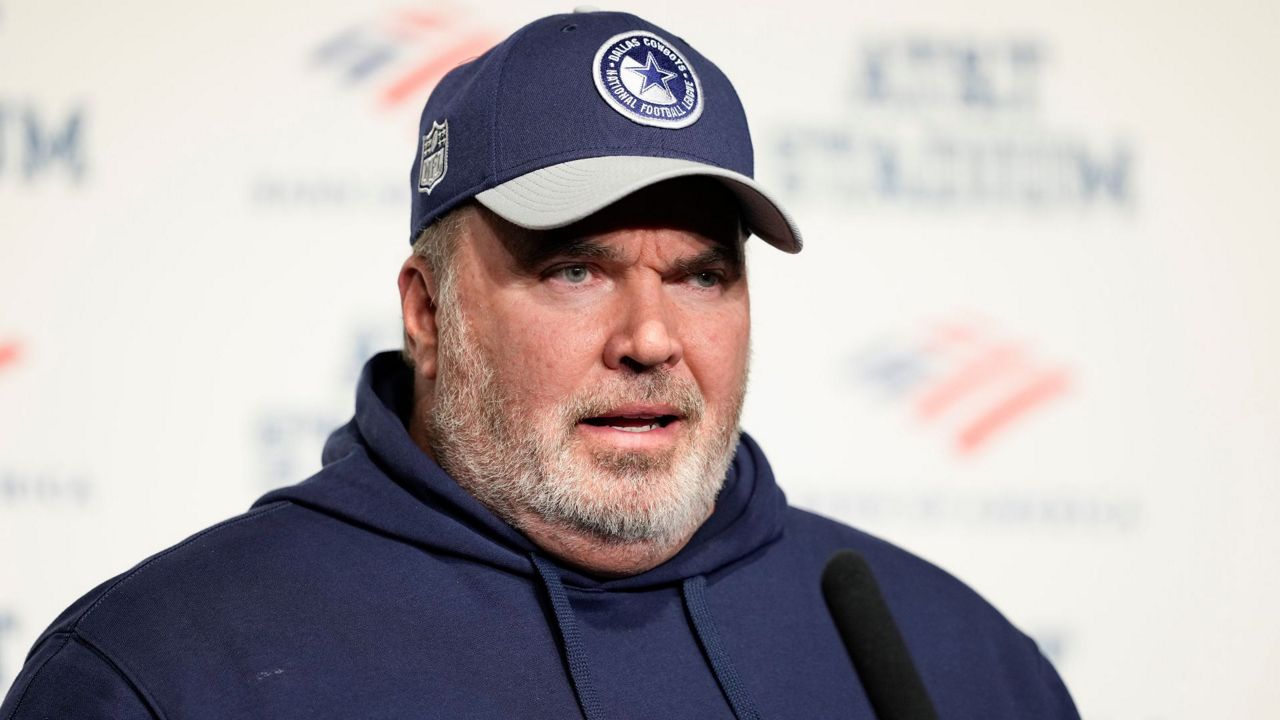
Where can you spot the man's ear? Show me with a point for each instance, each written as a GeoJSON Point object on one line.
{"type": "Point", "coordinates": [418, 290]}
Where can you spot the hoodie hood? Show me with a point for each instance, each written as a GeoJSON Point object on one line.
{"type": "Point", "coordinates": [376, 477]}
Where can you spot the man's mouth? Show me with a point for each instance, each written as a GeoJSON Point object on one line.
{"type": "Point", "coordinates": [631, 423]}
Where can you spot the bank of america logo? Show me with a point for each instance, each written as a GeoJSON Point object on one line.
{"type": "Point", "coordinates": [401, 54]}
{"type": "Point", "coordinates": [965, 380]}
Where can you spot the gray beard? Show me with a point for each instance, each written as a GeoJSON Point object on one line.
{"type": "Point", "coordinates": [519, 462]}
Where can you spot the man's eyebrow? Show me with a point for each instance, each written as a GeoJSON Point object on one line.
{"type": "Point", "coordinates": [718, 255]}
{"type": "Point", "coordinates": [537, 253]}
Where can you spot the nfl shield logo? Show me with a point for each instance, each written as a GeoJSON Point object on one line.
{"type": "Point", "coordinates": [435, 157]}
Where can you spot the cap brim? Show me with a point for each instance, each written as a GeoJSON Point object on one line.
{"type": "Point", "coordinates": [560, 195]}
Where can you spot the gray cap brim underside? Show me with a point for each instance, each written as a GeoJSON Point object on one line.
{"type": "Point", "coordinates": [563, 194]}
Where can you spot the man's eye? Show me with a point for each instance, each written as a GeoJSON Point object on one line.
{"type": "Point", "coordinates": [573, 274]}
{"type": "Point", "coordinates": [706, 279]}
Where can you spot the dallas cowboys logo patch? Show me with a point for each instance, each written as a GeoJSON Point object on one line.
{"type": "Point", "coordinates": [435, 157]}
{"type": "Point", "coordinates": [646, 80]}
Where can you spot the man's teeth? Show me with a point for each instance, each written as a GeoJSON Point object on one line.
{"type": "Point", "coordinates": [636, 428]}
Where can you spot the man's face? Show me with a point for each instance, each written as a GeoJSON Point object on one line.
{"type": "Point", "coordinates": [592, 377]}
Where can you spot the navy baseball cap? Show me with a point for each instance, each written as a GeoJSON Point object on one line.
{"type": "Point", "coordinates": [572, 113]}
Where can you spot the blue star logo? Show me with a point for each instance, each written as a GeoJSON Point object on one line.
{"type": "Point", "coordinates": [653, 75]}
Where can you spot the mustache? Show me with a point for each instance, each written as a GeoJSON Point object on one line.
{"type": "Point", "coordinates": [657, 387]}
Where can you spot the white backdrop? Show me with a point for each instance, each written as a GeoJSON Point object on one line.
{"type": "Point", "coordinates": [1033, 336]}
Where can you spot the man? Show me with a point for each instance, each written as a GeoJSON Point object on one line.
{"type": "Point", "coordinates": [548, 511]}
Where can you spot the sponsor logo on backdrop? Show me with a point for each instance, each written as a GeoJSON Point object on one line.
{"type": "Point", "coordinates": [289, 436]}
{"type": "Point", "coordinates": [20, 487]}
{"type": "Point", "coordinates": [397, 56]}
{"type": "Point", "coordinates": [41, 144]}
{"type": "Point", "coordinates": [877, 503]}
{"type": "Point", "coordinates": [950, 123]}
{"type": "Point", "coordinates": [964, 381]}
{"type": "Point", "coordinates": [388, 61]}
{"type": "Point", "coordinates": [965, 385]}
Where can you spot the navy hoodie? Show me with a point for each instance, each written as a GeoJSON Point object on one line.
{"type": "Point", "coordinates": [379, 588]}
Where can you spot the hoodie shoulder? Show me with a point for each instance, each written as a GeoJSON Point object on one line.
{"type": "Point", "coordinates": [86, 663]}
{"type": "Point", "coordinates": [179, 568]}
{"type": "Point", "coordinates": [236, 577]}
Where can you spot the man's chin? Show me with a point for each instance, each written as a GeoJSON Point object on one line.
{"type": "Point", "coordinates": [643, 469]}
{"type": "Point", "coordinates": [624, 497]}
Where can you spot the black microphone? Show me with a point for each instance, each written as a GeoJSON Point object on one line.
{"type": "Point", "coordinates": [873, 641]}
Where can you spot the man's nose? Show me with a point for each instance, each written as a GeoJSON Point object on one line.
{"type": "Point", "coordinates": [645, 334]}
